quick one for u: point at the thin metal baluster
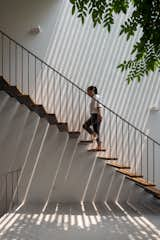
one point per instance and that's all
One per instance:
(2, 39)
(1, 205)
(9, 61)
(135, 160)
(28, 75)
(72, 107)
(12, 184)
(147, 160)
(141, 152)
(67, 117)
(116, 137)
(41, 83)
(85, 113)
(17, 185)
(54, 92)
(104, 133)
(60, 98)
(35, 80)
(48, 90)
(16, 64)
(110, 135)
(22, 72)
(129, 146)
(6, 192)
(153, 162)
(79, 100)
(122, 145)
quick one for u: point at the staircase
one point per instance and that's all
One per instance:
(55, 164)
(41, 135)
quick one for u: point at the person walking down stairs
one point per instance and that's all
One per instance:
(92, 125)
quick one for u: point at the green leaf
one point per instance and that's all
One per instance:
(82, 18)
(73, 9)
(72, 1)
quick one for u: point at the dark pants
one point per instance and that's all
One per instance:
(95, 123)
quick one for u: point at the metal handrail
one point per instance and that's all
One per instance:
(75, 85)
(8, 188)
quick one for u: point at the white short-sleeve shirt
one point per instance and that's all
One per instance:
(94, 105)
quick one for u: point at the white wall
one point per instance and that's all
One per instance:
(18, 17)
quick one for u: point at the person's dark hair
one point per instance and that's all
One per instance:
(92, 88)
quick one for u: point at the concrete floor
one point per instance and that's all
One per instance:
(82, 221)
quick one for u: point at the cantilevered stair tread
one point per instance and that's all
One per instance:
(25, 99)
(141, 181)
(39, 109)
(62, 126)
(117, 165)
(107, 158)
(97, 150)
(51, 118)
(85, 141)
(74, 134)
(4, 85)
(129, 173)
(154, 190)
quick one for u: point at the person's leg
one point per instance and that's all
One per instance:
(87, 125)
(96, 127)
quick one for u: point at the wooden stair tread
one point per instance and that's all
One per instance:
(74, 134)
(107, 158)
(141, 181)
(129, 173)
(96, 150)
(154, 190)
(62, 126)
(117, 165)
(51, 118)
(25, 99)
(85, 141)
(39, 109)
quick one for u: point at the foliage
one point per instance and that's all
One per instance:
(145, 56)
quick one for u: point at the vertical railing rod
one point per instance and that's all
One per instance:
(135, 158)
(6, 192)
(67, 102)
(72, 107)
(153, 162)
(104, 133)
(17, 176)
(141, 154)
(9, 61)
(12, 178)
(128, 140)
(35, 80)
(85, 112)
(2, 40)
(16, 65)
(54, 99)
(28, 74)
(60, 93)
(147, 160)
(122, 145)
(110, 140)
(79, 101)
(47, 89)
(116, 138)
(41, 89)
(22, 73)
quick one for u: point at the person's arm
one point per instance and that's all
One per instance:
(99, 110)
